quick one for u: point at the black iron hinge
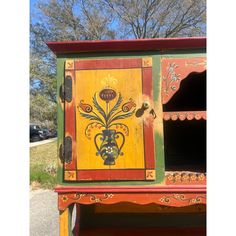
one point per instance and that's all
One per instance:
(65, 150)
(66, 90)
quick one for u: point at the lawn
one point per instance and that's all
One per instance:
(43, 163)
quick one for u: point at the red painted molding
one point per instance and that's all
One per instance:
(68, 47)
(183, 115)
(107, 175)
(108, 64)
(185, 178)
(166, 199)
(172, 195)
(144, 189)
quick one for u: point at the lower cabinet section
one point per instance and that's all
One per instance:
(97, 221)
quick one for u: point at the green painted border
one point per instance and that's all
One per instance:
(159, 141)
(60, 117)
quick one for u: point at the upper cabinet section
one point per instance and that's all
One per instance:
(111, 136)
(118, 104)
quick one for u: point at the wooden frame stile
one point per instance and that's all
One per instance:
(70, 123)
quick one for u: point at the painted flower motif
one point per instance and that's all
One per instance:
(174, 77)
(185, 177)
(201, 177)
(107, 94)
(162, 199)
(128, 105)
(177, 177)
(85, 107)
(109, 150)
(170, 177)
(193, 177)
(106, 118)
(64, 198)
(171, 69)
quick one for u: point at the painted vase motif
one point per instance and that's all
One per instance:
(107, 121)
(108, 148)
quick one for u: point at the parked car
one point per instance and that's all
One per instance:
(54, 133)
(36, 134)
(47, 133)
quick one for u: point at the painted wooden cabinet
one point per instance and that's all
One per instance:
(131, 126)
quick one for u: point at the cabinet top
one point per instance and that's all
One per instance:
(70, 47)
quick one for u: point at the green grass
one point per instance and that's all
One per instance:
(43, 164)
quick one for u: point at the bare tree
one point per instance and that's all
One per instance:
(159, 18)
(61, 20)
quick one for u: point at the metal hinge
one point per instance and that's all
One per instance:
(66, 90)
(65, 150)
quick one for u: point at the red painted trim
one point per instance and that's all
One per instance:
(143, 189)
(110, 175)
(148, 127)
(127, 45)
(166, 199)
(108, 64)
(185, 178)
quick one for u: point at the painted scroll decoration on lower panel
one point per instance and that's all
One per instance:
(109, 137)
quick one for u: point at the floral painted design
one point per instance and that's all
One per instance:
(108, 121)
(171, 77)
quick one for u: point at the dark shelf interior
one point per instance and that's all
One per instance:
(185, 145)
(191, 95)
(92, 220)
(185, 141)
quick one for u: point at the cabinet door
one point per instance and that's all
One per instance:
(108, 123)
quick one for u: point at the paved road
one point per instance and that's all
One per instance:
(44, 219)
(43, 213)
(42, 142)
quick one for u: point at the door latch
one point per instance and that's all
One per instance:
(144, 107)
(141, 110)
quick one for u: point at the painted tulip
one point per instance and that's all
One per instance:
(107, 94)
(85, 107)
(128, 105)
